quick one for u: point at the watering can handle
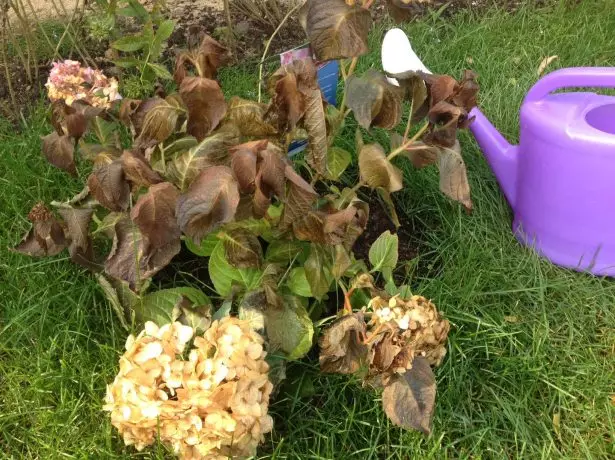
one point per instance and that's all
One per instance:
(603, 77)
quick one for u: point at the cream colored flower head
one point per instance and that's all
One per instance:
(214, 404)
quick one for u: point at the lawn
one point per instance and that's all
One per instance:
(531, 366)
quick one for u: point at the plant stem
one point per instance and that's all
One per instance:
(229, 25)
(408, 143)
(367, 4)
(347, 304)
(342, 107)
(409, 124)
(275, 32)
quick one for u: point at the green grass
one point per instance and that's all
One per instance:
(530, 342)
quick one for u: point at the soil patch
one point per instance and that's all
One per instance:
(378, 223)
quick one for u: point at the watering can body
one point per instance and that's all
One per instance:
(560, 179)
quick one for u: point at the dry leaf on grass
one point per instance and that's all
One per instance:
(545, 63)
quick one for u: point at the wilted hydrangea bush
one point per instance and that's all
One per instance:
(211, 173)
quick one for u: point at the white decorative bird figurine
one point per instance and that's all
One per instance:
(398, 55)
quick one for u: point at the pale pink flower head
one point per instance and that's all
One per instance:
(69, 82)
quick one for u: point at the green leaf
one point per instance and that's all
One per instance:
(130, 43)
(298, 283)
(126, 63)
(377, 171)
(120, 297)
(384, 253)
(160, 306)
(391, 288)
(341, 262)
(257, 227)
(223, 311)
(318, 270)
(165, 29)
(252, 309)
(290, 329)
(386, 197)
(160, 71)
(374, 101)
(223, 274)
(134, 10)
(206, 248)
(338, 160)
(405, 292)
(285, 251)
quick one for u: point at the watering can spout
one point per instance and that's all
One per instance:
(501, 155)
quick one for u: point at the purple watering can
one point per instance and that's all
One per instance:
(560, 179)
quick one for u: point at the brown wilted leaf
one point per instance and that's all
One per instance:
(416, 92)
(77, 231)
(211, 151)
(336, 30)
(128, 108)
(159, 123)
(205, 103)
(154, 214)
(181, 63)
(59, 152)
(287, 105)
(341, 346)
(133, 113)
(98, 154)
(109, 186)
(453, 177)
(376, 171)
(205, 59)
(409, 399)
(242, 248)
(545, 63)
(402, 10)
(211, 200)
(316, 127)
(133, 259)
(357, 225)
(374, 101)
(445, 118)
(210, 56)
(76, 123)
(45, 238)
(383, 351)
(421, 154)
(342, 261)
(329, 226)
(137, 169)
(271, 172)
(467, 91)
(248, 116)
(300, 198)
(441, 87)
(243, 163)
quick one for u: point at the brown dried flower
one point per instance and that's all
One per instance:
(212, 405)
(415, 326)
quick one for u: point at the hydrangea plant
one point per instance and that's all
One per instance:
(211, 172)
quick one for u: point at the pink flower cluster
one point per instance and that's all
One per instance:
(70, 82)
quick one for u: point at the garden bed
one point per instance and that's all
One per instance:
(529, 367)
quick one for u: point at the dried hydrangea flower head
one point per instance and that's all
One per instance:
(212, 405)
(69, 82)
(417, 326)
